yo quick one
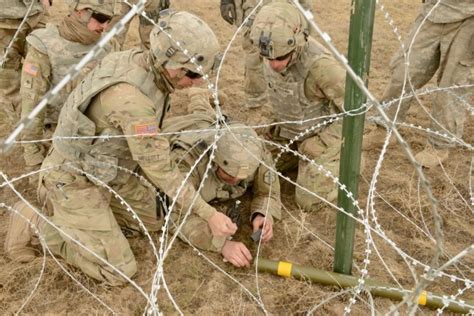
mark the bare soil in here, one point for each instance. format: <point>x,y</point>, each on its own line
<point>199,288</point>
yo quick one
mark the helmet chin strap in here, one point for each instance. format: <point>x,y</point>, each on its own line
<point>160,72</point>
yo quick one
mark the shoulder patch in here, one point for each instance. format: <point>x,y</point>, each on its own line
<point>31,69</point>
<point>146,128</point>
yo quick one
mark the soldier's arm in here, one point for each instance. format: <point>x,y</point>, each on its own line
<point>184,162</point>
<point>135,114</point>
<point>326,79</point>
<point>266,191</point>
<point>35,82</point>
<point>199,102</point>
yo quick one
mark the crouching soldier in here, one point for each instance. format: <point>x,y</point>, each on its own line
<point>30,15</point>
<point>52,52</point>
<point>92,162</point>
<point>241,163</point>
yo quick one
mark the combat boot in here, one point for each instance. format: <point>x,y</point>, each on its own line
<point>430,156</point>
<point>20,234</point>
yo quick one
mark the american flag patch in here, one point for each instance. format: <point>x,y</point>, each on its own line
<point>30,69</point>
<point>147,128</point>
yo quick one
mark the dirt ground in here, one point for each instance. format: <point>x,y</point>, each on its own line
<point>199,288</point>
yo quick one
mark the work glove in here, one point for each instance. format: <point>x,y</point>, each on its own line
<point>228,11</point>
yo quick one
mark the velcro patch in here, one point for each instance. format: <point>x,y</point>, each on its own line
<point>146,128</point>
<point>30,69</point>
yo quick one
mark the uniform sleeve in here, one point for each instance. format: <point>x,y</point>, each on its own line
<point>326,79</point>
<point>35,82</point>
<point>266,190</point>
<point>135,114</point>
<point>183,159</point>
<point>199,102</point>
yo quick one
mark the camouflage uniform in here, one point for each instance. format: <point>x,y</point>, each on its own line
<point>126,94</point>
<point>186,150</point>
<point>311,86</point>
<point>254,81</point>
<point>11,16</point>
<point>152,10</point>
<point>443,43</point>
<point>49,59</point>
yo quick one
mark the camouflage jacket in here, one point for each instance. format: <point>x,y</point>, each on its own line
<point>17,9</point>
<point>448,11</point>
<point>187,148</point>
<point>244,7</point>
<point>121,96</point>
<point>310,87</point>
<point>49,59</point>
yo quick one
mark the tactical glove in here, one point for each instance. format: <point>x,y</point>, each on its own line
<point>228,11</point>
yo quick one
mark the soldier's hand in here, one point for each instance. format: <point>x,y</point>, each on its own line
<point>236,253</point>
<point>266,226</point>
<point>228,11</point>
<point>221,225</point>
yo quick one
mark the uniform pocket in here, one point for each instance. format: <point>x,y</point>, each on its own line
<point>81,205</point>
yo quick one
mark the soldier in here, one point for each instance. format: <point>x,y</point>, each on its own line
<point>52,51</point>
<point>11,17</point>
<point>235,12</point>
<point>305,82</point>
<point>442,39</point>
<point>126,94</point>
<point>152,10</point>
<point>235,169</point>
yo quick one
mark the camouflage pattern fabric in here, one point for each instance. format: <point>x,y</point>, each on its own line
<point>254,82</point>
<point>92,224</point>
<point>119,97</point>
<point>448,11</point>
<point>17,9</point>
<point>185,152</point>
<point>48,60</point>
<point>311,86</point>
<point>444,47</point>
<point>20,235</point>
<point>324,149</point>
<point>10,71</point>
<point>152,9</point>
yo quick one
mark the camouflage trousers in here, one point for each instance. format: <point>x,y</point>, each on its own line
<point>10,73</point>
<point>323,150</point>
<point>92,223</point>
<point>448,49</point>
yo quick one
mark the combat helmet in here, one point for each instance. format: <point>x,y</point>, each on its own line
<point>279,29</point>
<point>239,151</point>
<point>182,40</point>
<point>105,7</point>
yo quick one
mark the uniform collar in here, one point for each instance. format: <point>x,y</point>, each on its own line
<point>162,80</point>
